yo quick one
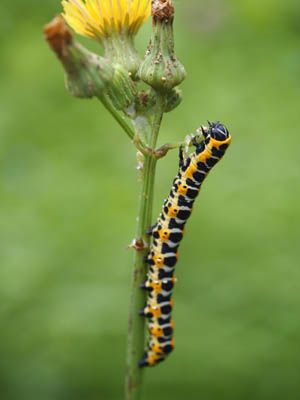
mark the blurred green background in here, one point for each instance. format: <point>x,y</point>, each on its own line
<point>68,196</point>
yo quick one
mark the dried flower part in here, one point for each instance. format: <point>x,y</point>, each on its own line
<point>162,9</point>
<point>100,18</point>
<point>58,36</point>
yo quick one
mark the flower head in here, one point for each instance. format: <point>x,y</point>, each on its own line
<point>102,18</point>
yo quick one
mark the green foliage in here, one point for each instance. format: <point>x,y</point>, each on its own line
<point>68,202</point>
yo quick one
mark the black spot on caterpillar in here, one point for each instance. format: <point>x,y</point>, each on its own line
<point>167,234</point>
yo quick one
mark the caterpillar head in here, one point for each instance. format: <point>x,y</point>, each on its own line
<point>218,131</point>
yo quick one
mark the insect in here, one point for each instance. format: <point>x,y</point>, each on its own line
<point>167,234</point>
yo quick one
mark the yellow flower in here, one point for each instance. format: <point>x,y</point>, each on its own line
<point>98,19</point>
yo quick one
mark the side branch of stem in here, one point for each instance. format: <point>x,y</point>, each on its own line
<point>117,116</point>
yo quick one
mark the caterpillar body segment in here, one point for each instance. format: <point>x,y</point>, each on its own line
<point>167,235</point>
<point>165,329</point>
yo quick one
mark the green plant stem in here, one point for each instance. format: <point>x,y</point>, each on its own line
<point>136,326</point>
<point>118,117</point>
<point>124,124</point>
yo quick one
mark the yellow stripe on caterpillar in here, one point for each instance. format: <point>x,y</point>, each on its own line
<point>217,144</point>
<point>190,171</point>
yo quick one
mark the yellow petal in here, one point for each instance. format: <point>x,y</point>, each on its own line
<point>98,18</point>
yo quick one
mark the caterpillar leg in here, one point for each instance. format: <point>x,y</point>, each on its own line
<point>150,231</point>
<point>196,140</point>
<point>181,157</point>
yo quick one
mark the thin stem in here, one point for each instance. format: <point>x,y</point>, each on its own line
<point>136,326</point>
<point>118,117</point>
<point>126,127</point>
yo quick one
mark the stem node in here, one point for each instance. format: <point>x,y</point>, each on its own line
<point>139,245</point>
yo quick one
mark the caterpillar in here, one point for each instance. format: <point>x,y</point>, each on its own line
<point>167,234</point>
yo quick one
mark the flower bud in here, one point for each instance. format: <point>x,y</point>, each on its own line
<point>87,74</point>
<point>120,50</point>
<point>160,68</point>
<point>121,90</point>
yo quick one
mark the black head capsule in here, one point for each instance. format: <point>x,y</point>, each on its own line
<point>218,131</point>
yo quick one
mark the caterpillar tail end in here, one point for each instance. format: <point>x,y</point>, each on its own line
<point>150,361</point>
